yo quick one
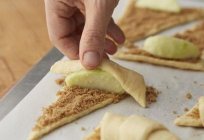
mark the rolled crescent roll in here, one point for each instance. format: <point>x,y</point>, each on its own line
<point>131,81</point>
<point>117,127</point>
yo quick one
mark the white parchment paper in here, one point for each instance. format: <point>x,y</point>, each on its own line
<point>174,85</point>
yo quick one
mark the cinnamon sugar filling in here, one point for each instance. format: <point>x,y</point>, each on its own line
<point>74,100</point>
<point>137,22</point>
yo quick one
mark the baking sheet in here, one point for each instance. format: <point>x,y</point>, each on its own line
<point>174,85</point>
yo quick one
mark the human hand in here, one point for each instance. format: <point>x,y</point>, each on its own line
<point>79,29</point>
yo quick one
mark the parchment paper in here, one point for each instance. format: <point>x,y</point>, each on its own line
<point>174,85</point>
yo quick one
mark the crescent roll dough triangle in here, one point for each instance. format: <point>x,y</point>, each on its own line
<point>72,103</point>
<point>138,23</point>
<point>117,127</point>
<point>193,35</point>
<point>197,66</point>
<point>194,117</point>
<point>132,82</point>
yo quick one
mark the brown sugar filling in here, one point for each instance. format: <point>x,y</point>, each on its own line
<point>74,100</point>
<point>138,23</point>
<point>151,94</point>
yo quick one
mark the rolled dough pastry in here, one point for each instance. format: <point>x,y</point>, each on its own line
<point>117,127</point>
<point>132,82</point>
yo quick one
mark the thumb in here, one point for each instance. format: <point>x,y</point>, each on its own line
<point>98,14</point>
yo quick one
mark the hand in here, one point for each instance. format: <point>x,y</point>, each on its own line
<point>79,29</point>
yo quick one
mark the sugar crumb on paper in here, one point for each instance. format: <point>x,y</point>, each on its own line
<point>189,96</point>
<point>152,94</point>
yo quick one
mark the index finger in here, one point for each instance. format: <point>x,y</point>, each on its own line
<point>61,26</point>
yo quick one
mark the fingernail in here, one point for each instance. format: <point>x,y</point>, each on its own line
<point>91,59</point>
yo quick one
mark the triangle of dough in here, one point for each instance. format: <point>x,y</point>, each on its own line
<point>194,35</point>
<point>72,103</point>
<point>194,117</point>
<point>138,23</point>
<point>132,82</point>
<point>136,55</point>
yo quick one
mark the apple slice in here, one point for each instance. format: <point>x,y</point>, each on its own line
<point>161,5</point>
<point>94,79</point>
<point>171,48</point>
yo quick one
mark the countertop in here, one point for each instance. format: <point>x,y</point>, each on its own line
<point>23,39</point>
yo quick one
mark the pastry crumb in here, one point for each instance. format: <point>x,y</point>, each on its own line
<point>175,77</point>
<point>174,112</point>
<point>152,94</point>
<point>202,85</point>
<point>195,82</point>
<point>186,109</point>
<point>59,81</point>
<point>83,129</point>
<point>189,96</point>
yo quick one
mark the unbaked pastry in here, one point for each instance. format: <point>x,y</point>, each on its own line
<point>194,35</point>
<point>138,23</point>
<point>194,117</point>
<point>117,127</point>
